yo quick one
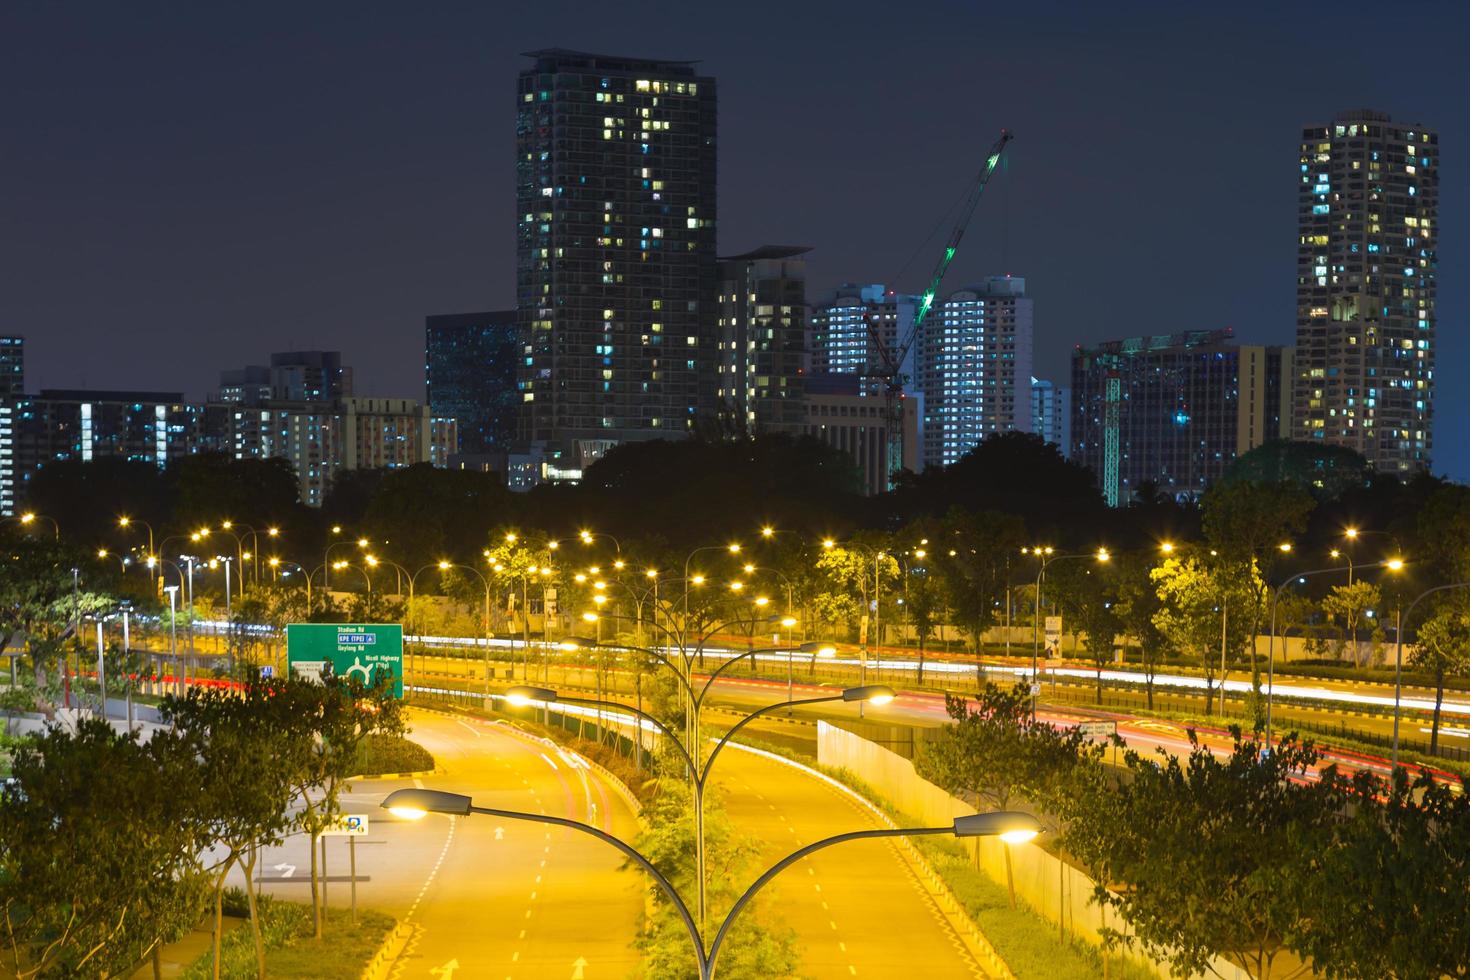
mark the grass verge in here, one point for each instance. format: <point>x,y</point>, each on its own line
<point>290,951</point>
<point>378,754</point>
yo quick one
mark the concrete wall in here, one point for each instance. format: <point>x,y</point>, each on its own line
<point>1053,888</point>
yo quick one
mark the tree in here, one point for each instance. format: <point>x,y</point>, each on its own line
<point>1443,649</point>
<point>250,750</point>
<point>1387,899</point>
<point>97,850</point>
<point>428,513</point>
<point>1200,856</point>
<point>987,754</point>
<point>1014,473</point>
<point>1245,524</point>
<point>1090,599</point>
<point>330,721</point>
<point>864,568</point>
<point>1350,602</point>
<point>972,559</point>
<point>1194,615</point>
<point>753,949</point>
<point>1327,472</point>
<point>43,594</point>
<point>1138,604</point>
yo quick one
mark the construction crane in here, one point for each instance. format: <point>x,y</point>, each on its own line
<point>890,370</point>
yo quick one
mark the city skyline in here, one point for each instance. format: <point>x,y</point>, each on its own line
<point>1078,206</point>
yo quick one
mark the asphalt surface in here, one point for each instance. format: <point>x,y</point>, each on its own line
<point>856,908</point>
<point>490,898</point>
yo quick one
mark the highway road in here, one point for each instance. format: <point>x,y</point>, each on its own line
<point>856,908</point>
<point>495,899</point>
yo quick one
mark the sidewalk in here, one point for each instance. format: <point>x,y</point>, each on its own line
<point>175,957</point>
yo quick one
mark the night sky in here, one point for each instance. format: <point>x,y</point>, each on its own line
<point>186,187</point>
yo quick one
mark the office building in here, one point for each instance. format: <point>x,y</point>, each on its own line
<point>1051,414</point>
<point>1174,410</point>
<point>616,278</point>
<point>761,347</point>
<point>1368,204</point>
<point>470,377</point>
<point>840,413</point>
<point>974,368</point>
<point>12,367</point>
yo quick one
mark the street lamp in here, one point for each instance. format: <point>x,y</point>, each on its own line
<point>30,517</point>
<point>445,566</point>
<point>413,804</point>
<point>1398,653</point>
<point>875,694</point>
<point>1045,554</point>
<point>1392,564</point>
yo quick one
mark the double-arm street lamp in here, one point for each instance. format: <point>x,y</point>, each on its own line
<point>1392,564</point>
<point>699,775</point>
<point>413,804</point>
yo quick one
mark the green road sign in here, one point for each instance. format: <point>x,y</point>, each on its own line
<point>360,651</point>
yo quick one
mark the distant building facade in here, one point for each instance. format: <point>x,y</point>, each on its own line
<point>293,376</point>
<point>57,425</point>
<point>974,367</point>
<point>761,348</point>
<point>470,363</point>
<point>1174,410</point>
<point>1051,414</point>
<point>12,367</point>
<point>841,414</point>
<point>845,322</point>
<point>322,438</point>
<point>616,279</point>
<point>1367,265</point>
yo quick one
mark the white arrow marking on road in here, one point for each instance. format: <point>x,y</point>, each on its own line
<point>578,967</point>
<point>446,971</point>
<point>500,833</point>
<point>286,870</point>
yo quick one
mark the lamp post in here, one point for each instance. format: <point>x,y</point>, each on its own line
<point>1045,554</point>
<point>414,804</point>
<point>1398,654</point>
<point>1392,564</point>
<point>444,566</point>
<point>127,522</point>
<point>254,554</point>
<point>30,517</point>
<point>876,694</point>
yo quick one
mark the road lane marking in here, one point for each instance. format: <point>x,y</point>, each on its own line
<point>553,765</point>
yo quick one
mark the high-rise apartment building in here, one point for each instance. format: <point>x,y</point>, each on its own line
<point>1174,410</point>
<point>12,367</point>
<point>974,367</point>
<point>293,376</point>
<point>1368,204</point>
<point>470,364</point>
<point>57,425</point>
<point>1051,414</point>
<point>616,278</point>
<point>845,322</point>
<point>761,348</point>
<point>321,438</point>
